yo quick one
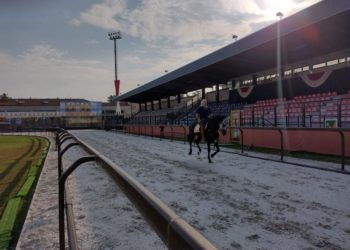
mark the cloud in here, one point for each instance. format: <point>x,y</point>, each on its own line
<point>44,71</point>
<point>102,15</point>
<point>92,42</point>
<point>185,22</point>
<point>178,32</point>
<point>174,22</point>
<point>171,59</point>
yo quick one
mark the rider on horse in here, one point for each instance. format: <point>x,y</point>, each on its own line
<point>202,115</point>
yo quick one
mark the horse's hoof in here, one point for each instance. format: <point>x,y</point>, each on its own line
<point>210,161</point>
<point>199,152</point>
<point>190,152</point>
<point>212,155</point>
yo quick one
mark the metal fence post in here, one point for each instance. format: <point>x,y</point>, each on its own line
<point>172,133</point>
<point>61,183</point>
<point>281,145</point>
<point>342,145</point>
<point>242,139</point>
<point>61,155</point>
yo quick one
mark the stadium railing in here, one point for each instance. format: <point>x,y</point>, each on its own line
<point>173,230</point>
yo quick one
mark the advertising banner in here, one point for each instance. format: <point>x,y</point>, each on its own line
<point>235,124</point>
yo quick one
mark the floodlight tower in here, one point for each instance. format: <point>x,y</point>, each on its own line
<point>115,36</point>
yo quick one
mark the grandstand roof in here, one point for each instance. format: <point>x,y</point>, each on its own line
<point>318,30</point>
<point>29,102</point>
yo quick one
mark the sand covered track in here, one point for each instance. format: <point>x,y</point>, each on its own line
<point>174,231</point>
<point>236,202</point>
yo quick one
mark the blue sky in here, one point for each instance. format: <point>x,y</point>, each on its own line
<point>60,48</point>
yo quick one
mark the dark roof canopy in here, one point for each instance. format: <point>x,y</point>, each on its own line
<point>318,30</point>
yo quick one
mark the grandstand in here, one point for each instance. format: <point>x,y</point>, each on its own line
<point>308,109</point>
<point>305,89</point>
<point>310,91</point>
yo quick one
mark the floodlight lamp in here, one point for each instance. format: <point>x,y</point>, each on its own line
<point>234,37</point>
<point>279,14</point>
<point>114,35</point>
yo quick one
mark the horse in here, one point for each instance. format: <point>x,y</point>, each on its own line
<point>196,136</point>
<point>211,136</point>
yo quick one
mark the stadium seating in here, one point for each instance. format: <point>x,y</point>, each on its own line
<point>306,110</point>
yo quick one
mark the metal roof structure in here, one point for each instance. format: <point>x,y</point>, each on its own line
<point>315,31</point>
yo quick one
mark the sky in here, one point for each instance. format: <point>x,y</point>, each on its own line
<point>52,49</point>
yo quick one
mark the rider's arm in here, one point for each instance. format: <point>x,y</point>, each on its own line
<point>197,117</point>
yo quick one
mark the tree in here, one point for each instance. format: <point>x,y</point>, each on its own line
<point>4,96</point>
<point>110,98</point>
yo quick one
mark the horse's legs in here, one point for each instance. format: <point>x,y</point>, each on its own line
<point>208,146</point>
<point>216,145</point>
<point>199,148</point>
<point>190,139</point>
<point>197,141</point>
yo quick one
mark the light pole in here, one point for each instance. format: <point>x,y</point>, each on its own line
<point>115,36</point>
<point>278,53</point>
<point>280,15</point>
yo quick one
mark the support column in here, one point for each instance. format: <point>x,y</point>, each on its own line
<point>217,97</point>
<point>203,93</point>
<point>168,102</point>
<point>145,106</point>
<point>140,106</point>
<point>254,79</point>
<point>160,104</point>
<point>152,105</point>
<point>178,98</point>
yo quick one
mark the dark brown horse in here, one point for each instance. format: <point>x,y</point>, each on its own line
<point>211,136</point>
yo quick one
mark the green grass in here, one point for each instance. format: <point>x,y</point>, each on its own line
<point>24,191</point>
<point>21,159</point>
<point>9,216</point>
<point>7,221</point>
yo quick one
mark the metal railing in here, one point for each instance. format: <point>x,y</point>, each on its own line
<point>173,231</point>
<point>163,131</point>
<point>281,144</point>
<point>137,129</point>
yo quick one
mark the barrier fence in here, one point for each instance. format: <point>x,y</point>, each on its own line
<point>334,142</point>
<point>170,132</point>
<point>174,231</point>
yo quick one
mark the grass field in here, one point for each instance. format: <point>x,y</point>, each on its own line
<point>20,158</point>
